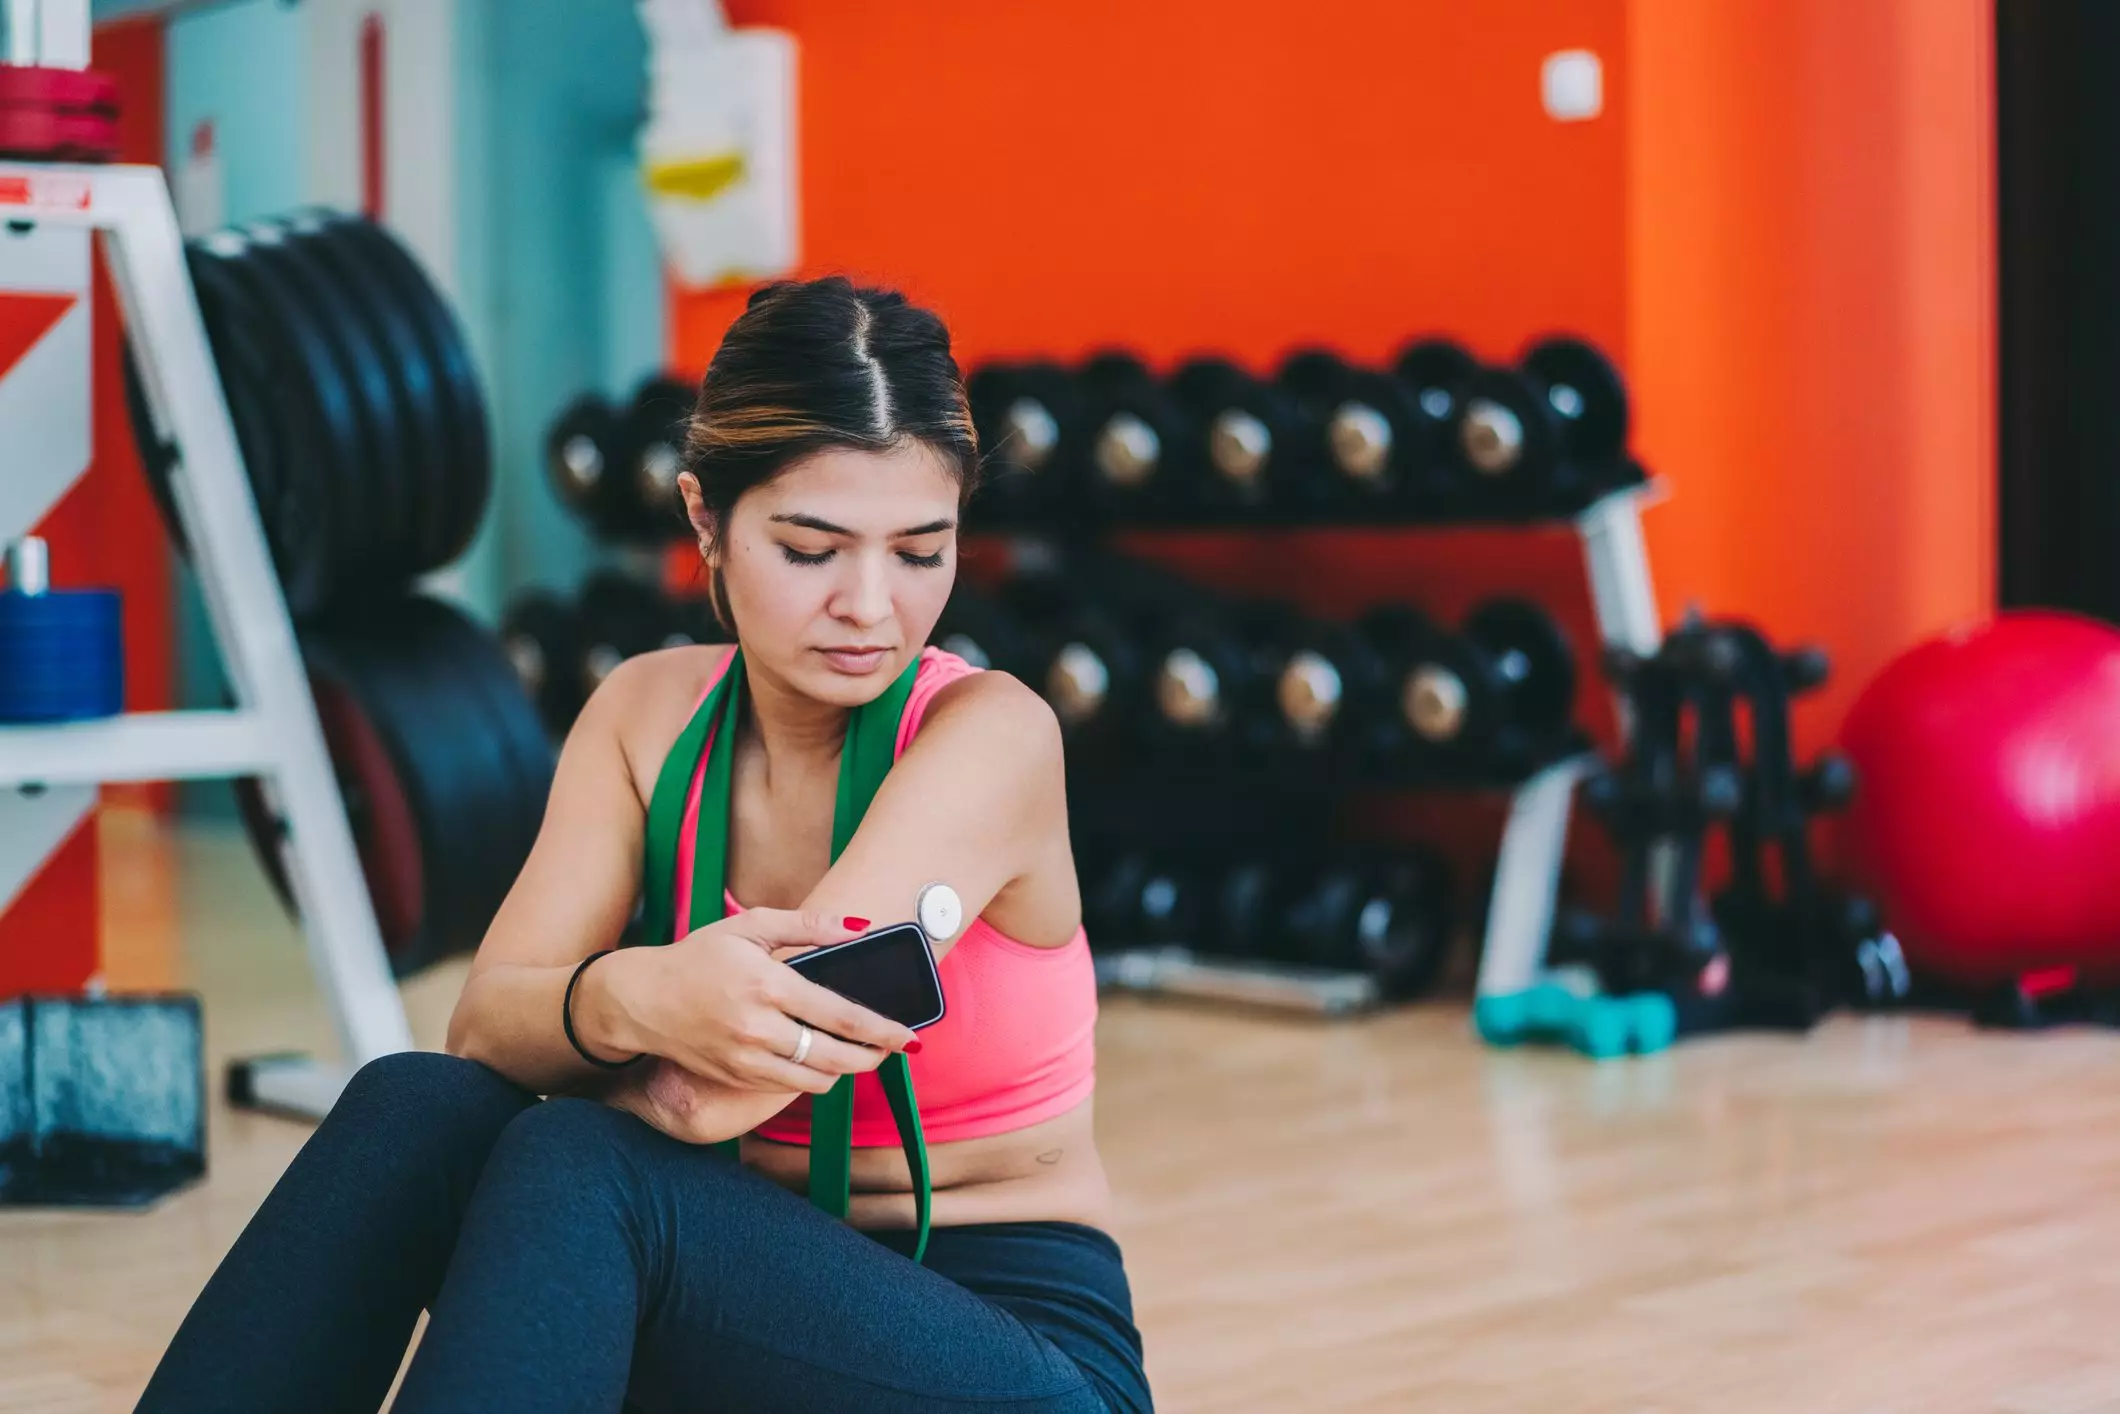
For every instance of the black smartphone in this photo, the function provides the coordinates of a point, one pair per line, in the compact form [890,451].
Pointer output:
[890,971]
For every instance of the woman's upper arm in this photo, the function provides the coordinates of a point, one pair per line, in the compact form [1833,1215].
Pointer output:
[577,889]
[972,803]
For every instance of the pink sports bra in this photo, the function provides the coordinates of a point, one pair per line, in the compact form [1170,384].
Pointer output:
[1018,1043]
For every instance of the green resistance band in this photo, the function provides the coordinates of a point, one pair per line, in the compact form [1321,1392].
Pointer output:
[871,745]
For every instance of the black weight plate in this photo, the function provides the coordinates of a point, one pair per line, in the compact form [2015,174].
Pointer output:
[264,363]
[340,446]
[1584,387]
[424,434]
[386,831]
[463,658]
[296,526]
[401,663]
[471,459]
[657,428]
[382,484]
[1534,656]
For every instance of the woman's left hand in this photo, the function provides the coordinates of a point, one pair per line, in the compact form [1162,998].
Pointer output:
[688,1107]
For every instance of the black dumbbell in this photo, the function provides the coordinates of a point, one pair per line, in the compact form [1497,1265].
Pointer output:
[1805,669]
[1093,621]
[1259,446]
[586,462]
[1545,437]
[1377,441]
[1879,976]
[657,425]
[1139,898]
[1497,694]
[1436,370]
[1217,673]
[1139,462]
[1251,898]
[1829,784]
[1388,917]
[620,618]
[978,628]
[691,620]
[541,634]
[1336,689]
[1030,422]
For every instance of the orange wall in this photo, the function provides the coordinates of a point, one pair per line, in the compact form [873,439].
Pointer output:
[1810,309]
[1206,173]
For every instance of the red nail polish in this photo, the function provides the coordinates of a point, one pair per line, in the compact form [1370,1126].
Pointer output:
[912,1047]
[857,924]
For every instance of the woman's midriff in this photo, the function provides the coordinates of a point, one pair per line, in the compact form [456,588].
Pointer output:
[1047,1172]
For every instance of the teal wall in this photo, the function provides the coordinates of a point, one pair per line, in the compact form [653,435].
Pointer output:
[559,284]
[574,288]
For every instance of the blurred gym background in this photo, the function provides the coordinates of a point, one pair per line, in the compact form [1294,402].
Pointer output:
[1605,505]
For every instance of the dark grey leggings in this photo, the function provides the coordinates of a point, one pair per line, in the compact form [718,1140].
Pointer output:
[575,1259]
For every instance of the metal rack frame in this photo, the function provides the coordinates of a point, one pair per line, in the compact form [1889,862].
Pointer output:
[272,732]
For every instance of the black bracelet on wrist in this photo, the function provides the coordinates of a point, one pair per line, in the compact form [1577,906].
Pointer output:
[566,1018]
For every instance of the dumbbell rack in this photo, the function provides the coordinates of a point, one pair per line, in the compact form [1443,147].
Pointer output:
[1534,839]
[273,731]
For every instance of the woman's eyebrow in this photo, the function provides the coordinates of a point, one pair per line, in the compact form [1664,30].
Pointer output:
[817,523]
[810,522]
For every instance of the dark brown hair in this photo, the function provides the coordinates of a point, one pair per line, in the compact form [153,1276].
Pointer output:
[812,364]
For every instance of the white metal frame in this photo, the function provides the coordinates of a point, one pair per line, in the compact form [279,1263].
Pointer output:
[1527,875]
[273,731]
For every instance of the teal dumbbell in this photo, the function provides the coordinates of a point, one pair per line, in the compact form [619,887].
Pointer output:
[1615,1026]
[1535,1014]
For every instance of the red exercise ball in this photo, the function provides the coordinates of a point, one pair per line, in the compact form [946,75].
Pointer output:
[1988,816]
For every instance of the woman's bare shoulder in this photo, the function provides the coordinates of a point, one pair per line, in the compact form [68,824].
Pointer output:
[645,702]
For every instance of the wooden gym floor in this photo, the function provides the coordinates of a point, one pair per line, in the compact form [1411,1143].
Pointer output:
[1887,1215]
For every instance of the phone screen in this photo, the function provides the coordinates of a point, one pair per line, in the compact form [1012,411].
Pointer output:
[891,972]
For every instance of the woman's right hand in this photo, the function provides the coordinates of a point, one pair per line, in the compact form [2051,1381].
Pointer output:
[721,1005]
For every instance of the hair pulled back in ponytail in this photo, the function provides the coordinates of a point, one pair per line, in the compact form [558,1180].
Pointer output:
[817,364]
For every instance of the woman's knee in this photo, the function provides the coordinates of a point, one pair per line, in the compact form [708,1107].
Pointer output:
[574,1151]
[411,1093]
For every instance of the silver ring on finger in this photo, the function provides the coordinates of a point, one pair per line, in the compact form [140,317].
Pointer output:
[803,1039]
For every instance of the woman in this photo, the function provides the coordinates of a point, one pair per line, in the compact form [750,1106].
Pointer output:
[592,1249]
